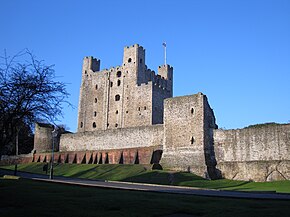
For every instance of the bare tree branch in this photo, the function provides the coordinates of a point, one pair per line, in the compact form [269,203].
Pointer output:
[29,92]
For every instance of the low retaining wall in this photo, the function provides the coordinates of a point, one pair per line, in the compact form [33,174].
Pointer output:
[260,171]
[146,155]
[12,160]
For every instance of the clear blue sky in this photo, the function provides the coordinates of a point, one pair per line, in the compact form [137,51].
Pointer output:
[237,52]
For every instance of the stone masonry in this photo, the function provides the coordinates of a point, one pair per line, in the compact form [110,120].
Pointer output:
[260,153]
[127,115]
[130,95]
[188,121]
[143,136]
[43,137]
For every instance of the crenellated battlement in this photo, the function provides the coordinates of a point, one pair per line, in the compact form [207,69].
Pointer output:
[126,95]
[140,71]
[134,46]
[91,63]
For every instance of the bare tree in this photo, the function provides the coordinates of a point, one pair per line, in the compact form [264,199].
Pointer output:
[29,92]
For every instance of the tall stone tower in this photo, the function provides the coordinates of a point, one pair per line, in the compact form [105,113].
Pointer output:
[189,123]
[124,96]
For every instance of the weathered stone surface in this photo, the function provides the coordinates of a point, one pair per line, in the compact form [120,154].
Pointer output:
[43,137]
[113,139]
[188,124]
[124,96]
[20,159]
[252,144]
[145,155]
[260,171]
[258,153]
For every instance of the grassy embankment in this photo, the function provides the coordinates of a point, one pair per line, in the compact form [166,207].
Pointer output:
[139,173]
[31,198]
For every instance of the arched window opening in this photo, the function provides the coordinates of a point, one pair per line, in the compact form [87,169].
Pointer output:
[82,124]
[141,60]
[116,125]
[145,108]
[96,100]
[94,125]
[117,112]
[117,97]
[95,114]
[119,73]
[111,84]
[129,60]
[96,86]
[118,82]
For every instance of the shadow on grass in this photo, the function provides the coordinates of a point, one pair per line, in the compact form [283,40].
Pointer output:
[214,184]
[105,170]
[82,173]
[153,177]
[163,177]
[227,185]
[144,174]
[31,198]
[184,179]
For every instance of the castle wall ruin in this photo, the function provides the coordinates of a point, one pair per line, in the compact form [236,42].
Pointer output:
[144,136]
[260,153]
[43,137]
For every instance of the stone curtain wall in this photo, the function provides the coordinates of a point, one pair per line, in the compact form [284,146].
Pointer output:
[260,153]
[113,139]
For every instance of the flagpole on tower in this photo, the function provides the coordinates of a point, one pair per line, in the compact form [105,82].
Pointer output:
[164,45]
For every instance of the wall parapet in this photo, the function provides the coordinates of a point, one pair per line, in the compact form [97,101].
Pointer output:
[143,136]
[259,153]
[269,142]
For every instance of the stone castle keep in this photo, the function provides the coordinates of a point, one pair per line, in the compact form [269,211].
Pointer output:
[127,115]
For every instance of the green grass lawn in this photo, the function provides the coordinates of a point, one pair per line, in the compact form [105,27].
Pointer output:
[32,198]
[141,173]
